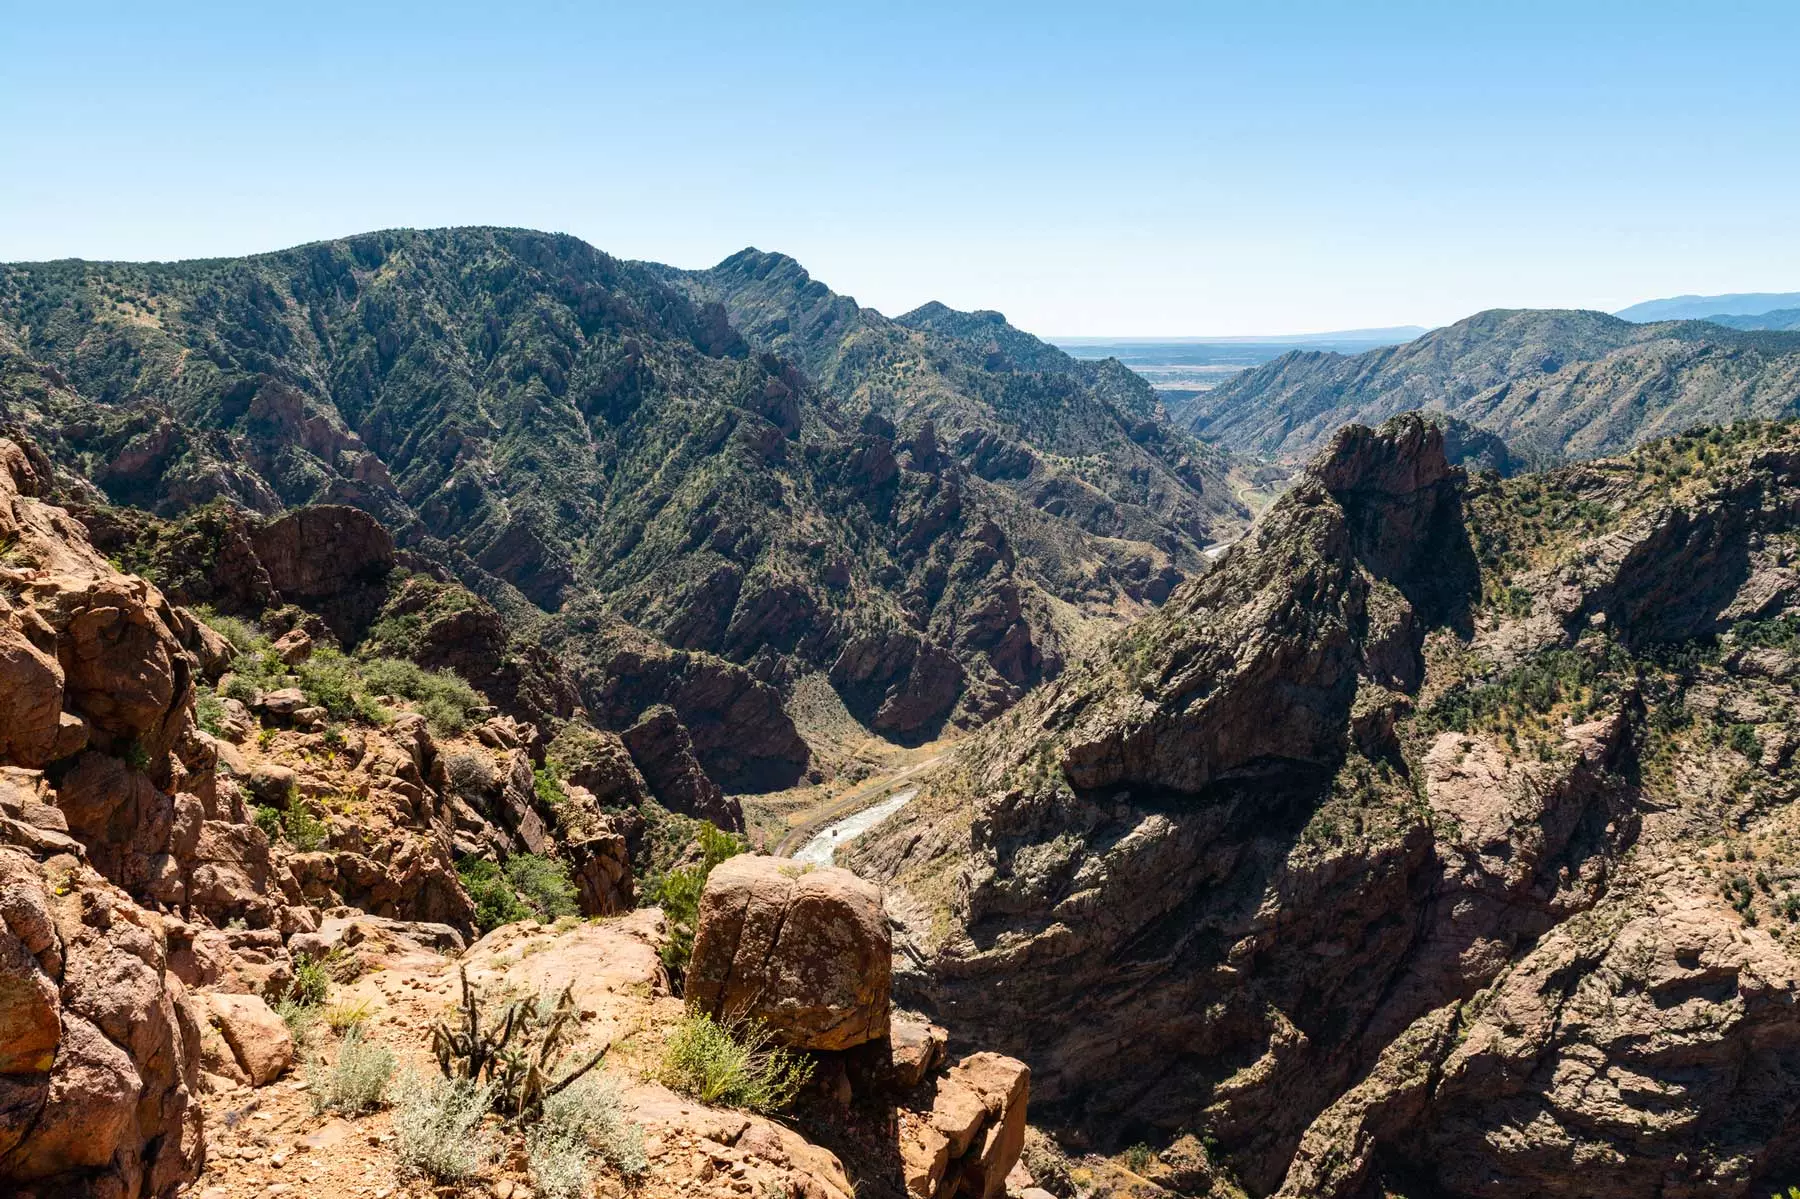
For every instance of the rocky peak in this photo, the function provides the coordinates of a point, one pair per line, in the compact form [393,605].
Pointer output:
[1258,661]
[1403,456]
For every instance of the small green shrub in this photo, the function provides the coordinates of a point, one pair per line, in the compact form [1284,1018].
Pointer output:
[527,887]
[241,687]
[495,901]
[543,883]
[305,832]
[1743,740]
[330,681]
[733,1065]
[471,772]
[1138,1158]
[302,1020]
[443,698]
[558,1161]
[356,1082]
[677,893]
[312,982]
[209,712]
[437,1128]
[267,819]
[244,637]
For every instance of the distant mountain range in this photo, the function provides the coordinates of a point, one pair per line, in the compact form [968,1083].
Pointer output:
[1388,335]
[1553,384]
[712,490]
[1688,308]
[1780,318]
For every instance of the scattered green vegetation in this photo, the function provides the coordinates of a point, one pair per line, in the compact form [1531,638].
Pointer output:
[348,1016]
[495,901]
[209,711]
[305,832]
[546,780]
[240,687]
[302,1020]
[444,698]
[677,893]
[267,819]
[732,1064]
[527,887]
[297,826]
[544,884]
[357,1081]
[1138,1158]
[244,637]
[1743,740]
[1574,681]
[346,687]
[336,683]
[312,982]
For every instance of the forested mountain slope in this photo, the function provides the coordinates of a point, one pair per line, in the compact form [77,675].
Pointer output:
[1553,385]
[685,518]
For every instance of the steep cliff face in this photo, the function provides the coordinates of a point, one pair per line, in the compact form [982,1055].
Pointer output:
[1388,854]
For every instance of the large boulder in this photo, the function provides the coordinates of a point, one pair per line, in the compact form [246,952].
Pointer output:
[258,1038]
[807,951]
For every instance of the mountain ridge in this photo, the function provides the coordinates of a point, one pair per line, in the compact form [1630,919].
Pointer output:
[1552,384]
[1695,307]
[1404,825]
[611,464]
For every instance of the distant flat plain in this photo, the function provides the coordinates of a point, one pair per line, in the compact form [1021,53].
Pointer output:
[1186,365]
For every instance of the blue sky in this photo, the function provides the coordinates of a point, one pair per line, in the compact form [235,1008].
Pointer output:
[1117,169]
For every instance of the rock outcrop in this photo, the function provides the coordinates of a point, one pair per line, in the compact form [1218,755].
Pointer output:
[99,1048]
[1384,856]
[805,951]
[969,1138]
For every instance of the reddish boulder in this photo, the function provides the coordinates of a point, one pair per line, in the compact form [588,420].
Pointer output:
[807,951]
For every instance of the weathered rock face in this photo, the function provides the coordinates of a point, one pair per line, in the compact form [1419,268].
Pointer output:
[971,1135]
[1383,854]
[101,1051]
[733,721]
[664,751]
[600,864]
[805,951]
[87,655]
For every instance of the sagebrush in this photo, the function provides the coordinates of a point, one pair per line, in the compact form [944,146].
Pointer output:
[357,1081]
[437,1128]
[733,1064]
